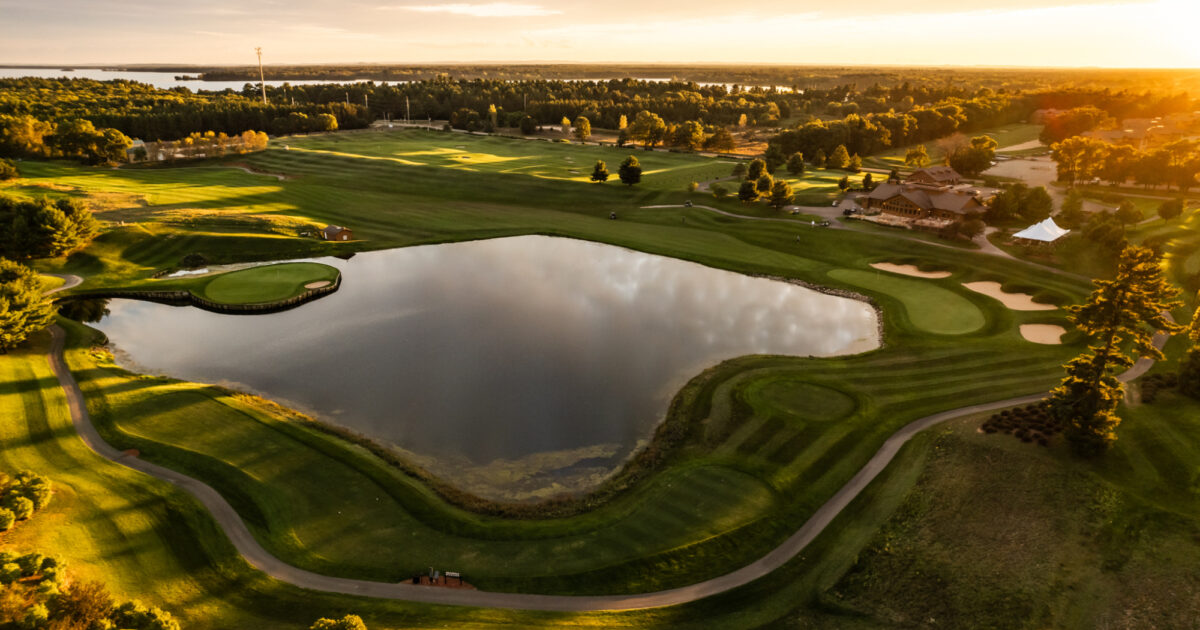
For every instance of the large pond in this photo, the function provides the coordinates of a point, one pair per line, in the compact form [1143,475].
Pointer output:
[514,366]
[162,80]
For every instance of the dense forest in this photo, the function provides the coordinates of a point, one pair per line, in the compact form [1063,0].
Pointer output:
[807,119]
[789,76]
[142,111]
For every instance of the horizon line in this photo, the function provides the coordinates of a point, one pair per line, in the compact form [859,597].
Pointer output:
[533,62]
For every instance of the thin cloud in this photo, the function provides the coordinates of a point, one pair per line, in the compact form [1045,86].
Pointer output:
[491,9]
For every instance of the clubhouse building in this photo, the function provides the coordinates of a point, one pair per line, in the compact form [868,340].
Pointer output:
[930,198]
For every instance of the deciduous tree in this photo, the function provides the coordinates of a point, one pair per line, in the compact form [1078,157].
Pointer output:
[757,168]
[917,157]
[747,192]
[630,171]
[688,135]
[600,172]
[583,128]
[1127,213]
[774,158]
[528,125]
[764,184]
[974,157]
[648,128]
[1071,214]
[781,194]
[1170,209]
[1077,158]
[720,140]
[840,158]
[795,164]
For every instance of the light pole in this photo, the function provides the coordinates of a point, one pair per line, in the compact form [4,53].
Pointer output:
[262,81]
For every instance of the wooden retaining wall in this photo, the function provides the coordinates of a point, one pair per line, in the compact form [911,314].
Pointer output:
[186,298]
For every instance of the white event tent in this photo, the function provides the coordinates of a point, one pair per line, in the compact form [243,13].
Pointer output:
[1047,232]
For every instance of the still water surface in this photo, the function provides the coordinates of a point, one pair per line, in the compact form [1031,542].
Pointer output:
[496,350]
[162,80]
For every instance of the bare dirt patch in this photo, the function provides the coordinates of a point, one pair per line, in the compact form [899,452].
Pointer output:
[909,270]
[1014,301]
[1047,334]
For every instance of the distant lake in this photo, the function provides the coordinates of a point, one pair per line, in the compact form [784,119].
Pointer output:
[163,80]
[558,353]
[167,80]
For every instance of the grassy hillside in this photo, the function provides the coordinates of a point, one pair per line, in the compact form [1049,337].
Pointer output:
[761,442]
[1001,534]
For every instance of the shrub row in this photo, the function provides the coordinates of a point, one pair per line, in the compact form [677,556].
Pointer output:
[1031,423]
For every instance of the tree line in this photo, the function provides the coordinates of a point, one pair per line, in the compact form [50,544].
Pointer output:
[605,102]
[1083,159]
[143,111]
[203,145]
[866,135]
[26,136]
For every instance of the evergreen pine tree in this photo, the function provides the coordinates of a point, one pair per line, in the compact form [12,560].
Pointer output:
[1123,312]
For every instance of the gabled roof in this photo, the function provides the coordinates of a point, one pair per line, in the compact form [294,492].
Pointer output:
[885,191]
[953,201]
[925,199]
[1047,231]
[918,197]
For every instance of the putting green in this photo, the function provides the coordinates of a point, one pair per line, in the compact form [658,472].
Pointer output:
[270,283]
[929,307]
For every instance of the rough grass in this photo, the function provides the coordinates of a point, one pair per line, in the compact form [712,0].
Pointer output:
[49,283]
[1035,538]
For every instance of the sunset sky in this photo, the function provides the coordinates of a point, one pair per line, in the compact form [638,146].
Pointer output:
[1126,33]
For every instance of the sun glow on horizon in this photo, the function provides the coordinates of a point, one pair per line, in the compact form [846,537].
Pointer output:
[1125,33]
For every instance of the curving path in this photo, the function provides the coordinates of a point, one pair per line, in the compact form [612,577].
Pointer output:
[70,281]
[233,526]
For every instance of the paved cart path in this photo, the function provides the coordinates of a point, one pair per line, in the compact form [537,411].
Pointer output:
[233,526]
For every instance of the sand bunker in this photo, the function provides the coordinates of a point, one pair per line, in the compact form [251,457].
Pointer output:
[909,270]
[317,285]
[1015,301]
[1047,334]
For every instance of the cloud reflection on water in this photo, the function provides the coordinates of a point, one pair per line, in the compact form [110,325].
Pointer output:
[498,348]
